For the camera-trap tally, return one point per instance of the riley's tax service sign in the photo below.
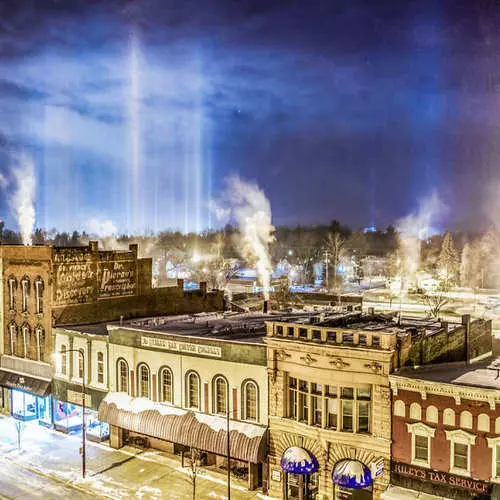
(182, 347)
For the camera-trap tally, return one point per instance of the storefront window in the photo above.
(301, 486)
(26, 406)
(95, 428)
(67, 416)
(44, 410)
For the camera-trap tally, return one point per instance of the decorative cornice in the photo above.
(455, 391)
(421, 429)
(460, 435)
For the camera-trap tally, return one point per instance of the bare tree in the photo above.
(435, 301)
(334, 247)
(194, 464)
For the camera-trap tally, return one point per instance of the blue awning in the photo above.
(352, 474)
(296, 460)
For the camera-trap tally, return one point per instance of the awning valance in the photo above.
(352, 474)
(13, 380)
(193, 429)
(297, 460)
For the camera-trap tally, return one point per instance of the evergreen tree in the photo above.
(448, 262)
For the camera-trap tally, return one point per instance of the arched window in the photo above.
(100, 368)
(143, 384)
(466, 420)
(250, 395)
(166, 385)
(219, 388)
(25, 290)
(64, 360)
(13, 338)
(122, 376)
(40, 343)
(81, 363)
(483, 423)
(449, 417)
(415, 411)
(12, 293)
(497, 425)
(193, 390)
(39, 295)
(399, 408)
(431, 414)
(25, 340)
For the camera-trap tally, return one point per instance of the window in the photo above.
(375, 341)
(13, 334)
(26, 336)
(220, 389)
(39, 296)
(421, 435)
(81, 367)
(25, 288)
(347, 338)
(415, 411)
(449, 417)
(193, 390)
(362, 340)
(12, 293)
(497, 425)
(143, 381)
(399, 408)
(166, 385)
(460, 446)
(460, 456)
(40, 343)
(422, 448)
(291, 331)
(331, 336)
(340, 408)
(303, 333)
(122, 376)
(279, 331)
(431, 414)
(494, 444)
(316, 334)
(64, 360)
(483, 423)
(466, 420)
(100, 368)
(250, 395)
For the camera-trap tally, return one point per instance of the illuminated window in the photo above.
(166, 386)
(100, 368)
(494, 444)
(250, 395)
(64, 360)
(122, 376)
(415, 411)
(220, 389)
(449, 417)
(26, 334)
(40, 343)
(466, 420)
(483, 423)
(193, 390)
(81, 367)
(399, 408)
(431, 414)
(143, 381)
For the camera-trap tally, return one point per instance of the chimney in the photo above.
(180, 283)
(371, 311)
(266, 306)
(134, 248)
(94, 246)
(203, 287)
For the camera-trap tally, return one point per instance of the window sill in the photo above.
(459, 472)
(495, 480)
(421, 463)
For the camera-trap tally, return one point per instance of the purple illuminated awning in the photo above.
(296, 460)
(352, 474)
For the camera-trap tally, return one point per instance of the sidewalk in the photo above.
(115, 474)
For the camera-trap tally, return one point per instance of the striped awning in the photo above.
(28, 383)
(248, 442)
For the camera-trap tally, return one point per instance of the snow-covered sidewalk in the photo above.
(115, 474)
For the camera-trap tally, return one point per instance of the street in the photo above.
(17, 482)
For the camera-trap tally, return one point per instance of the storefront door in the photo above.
(301, 486)
(24, 405)
(341, 493)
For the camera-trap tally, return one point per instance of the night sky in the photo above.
(135, 113)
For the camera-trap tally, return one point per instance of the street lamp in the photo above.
(81, 353)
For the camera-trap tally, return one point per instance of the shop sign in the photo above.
(439, 477)
(76, 398)
(182, 347)
(276, 475)
(377, 467)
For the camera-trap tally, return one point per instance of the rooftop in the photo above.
(485, 373)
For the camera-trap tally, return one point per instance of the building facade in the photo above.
(446, 431)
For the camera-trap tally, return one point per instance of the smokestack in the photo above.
(266, 306)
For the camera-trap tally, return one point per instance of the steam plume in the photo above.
(252, 212)
(414, 228)
(22, 201)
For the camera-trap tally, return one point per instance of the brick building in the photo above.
(43, 287)
(446, 430)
